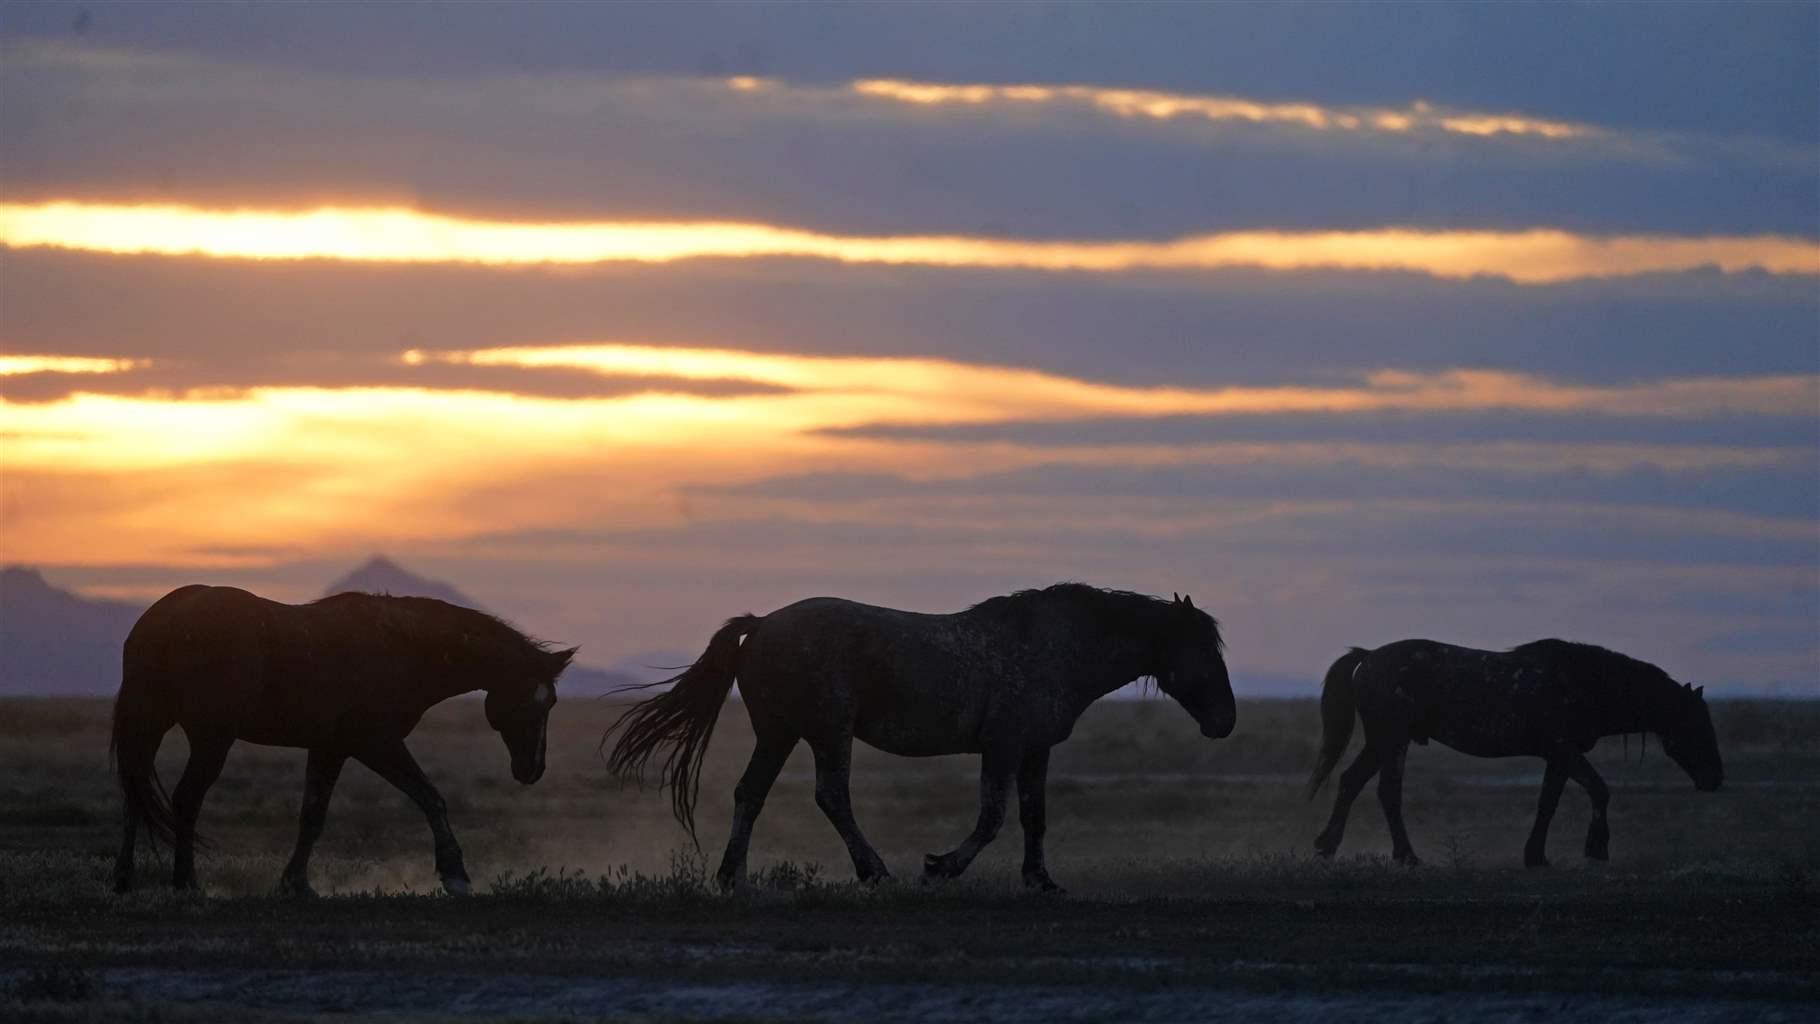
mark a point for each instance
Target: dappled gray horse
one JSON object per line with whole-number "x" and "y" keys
{"x": 1550, "y": 699}
{"x": 1005, "y": 679}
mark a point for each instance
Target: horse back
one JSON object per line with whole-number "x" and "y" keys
{"x": 1485, "y": 703}
{"x": 225, "y": 660}
{"x": 906, "y": 682}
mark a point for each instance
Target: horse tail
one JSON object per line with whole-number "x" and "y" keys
{"x": 682, "y": 719}
{"x": 132, "y": 751}
{"x": 1337, "y": 709}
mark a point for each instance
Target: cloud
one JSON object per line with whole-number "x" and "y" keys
{"x": 1535, "y": 256}
{"x": 1171, "y": 106}
{"x": 235, "y": 374}
{"x": 1723, "y": 68}
{"x": 924, "y": 391}
{"x": 20, "y": 365}
{"x": 1236, "y": 327}
{"x": 604, "y": 146}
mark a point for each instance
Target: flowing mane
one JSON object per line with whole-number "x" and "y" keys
{"x": 1126, "y": 609}
{"x": 433, "y": 625}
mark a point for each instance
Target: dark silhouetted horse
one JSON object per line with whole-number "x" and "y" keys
{"x": 346, "y": 676}
{"x": 1550, "y": 699}
{"x": 1005, "y": 679}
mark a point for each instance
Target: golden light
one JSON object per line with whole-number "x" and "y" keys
{"x": 393, "y": 234}
{"x": 11, "y": 366}
{"x": 1146, "y": 103}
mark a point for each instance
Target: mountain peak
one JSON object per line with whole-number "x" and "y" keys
{"x": 381, "y": 575}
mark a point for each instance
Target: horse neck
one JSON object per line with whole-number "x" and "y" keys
{"x": 1635, "y": 701}
{"x": 1117, "y": 655}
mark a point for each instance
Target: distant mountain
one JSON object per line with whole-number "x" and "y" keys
{"x": 54, "y": 642}
{"x": 57, "y": 643}
{"x": 381, "y": 575}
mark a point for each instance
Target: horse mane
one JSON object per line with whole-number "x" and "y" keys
{"x": 433, "y": 623}
{"x": 1124, "y": 608}
{"x": 1635, "y": 687}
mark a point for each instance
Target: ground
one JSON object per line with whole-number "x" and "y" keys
{"x": 1193, "y": 892}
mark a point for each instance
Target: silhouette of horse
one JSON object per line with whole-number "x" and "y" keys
{"x": 1550, "y": 699}
{"x": 346, "y": 676}
{"x": 1005, "y": 679}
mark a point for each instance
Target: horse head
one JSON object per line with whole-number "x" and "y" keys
{"x": 518, "y": 708}
{"x": 1192, "y": 669}
{"x": 1685, "y": 725}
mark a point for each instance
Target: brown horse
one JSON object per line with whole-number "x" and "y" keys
{"x": 346, "y": 676}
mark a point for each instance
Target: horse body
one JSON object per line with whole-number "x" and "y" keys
{"x": 1550, "y": 699}
{"x": 1005, "y": 679}
{"x": 920, "y": 685}
{"x": 347, "y": 676}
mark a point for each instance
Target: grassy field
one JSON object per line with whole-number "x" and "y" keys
{"x": 1192, "y": 888}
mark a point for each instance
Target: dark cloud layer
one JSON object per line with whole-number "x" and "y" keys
{"x": 234, "y": 372}
{"x": 1396, "y": 427}
{"x": 1790, "y": 491}
{"x": 1739, "y": 67}
{"x": 1159, "y": 329}
{"x": 110, "y": 126}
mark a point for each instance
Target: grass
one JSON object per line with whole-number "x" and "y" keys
{"x": 1187, "y": 862}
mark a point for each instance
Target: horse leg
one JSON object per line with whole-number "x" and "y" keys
{"x": 1390, "y": 796}
{"x": 394, "y": 763}
{"x": 768, "y": 758}
{"x": 995, "y": 779}
{"x": 1554, "y": 780}
{"x": 207, "y": 754}
{"x": 833, "y": 765}
{"x": 137, "y": 763}
{"x": 1598, "y": 834}
{"x": 1032, "y": 781}
{"x": 1352, "y": 783}
{"x": 319, "y": 777}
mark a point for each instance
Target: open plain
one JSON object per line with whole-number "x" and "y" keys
{"x": 1193, "y": 891}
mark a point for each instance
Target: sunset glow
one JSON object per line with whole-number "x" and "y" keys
{"x": 19, "y": 365}
{"x": 1144, "y": 103}
{"x": 408, "y": 236}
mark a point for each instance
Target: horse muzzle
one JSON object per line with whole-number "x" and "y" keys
{"x": 526, "y": 771}
{"x": 1218, "y": 728}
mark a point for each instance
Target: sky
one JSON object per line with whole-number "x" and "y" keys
{"x": 1477, "y": 322}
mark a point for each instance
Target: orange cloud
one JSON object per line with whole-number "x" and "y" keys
{"x": 392, "y": 234}
{"x": 11, "y": 366}
{"x": 109, "y": 478}
{"x": 1146, "y": 103}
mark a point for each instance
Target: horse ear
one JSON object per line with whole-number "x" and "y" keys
{"x": 1178, "y": 597}
{"x": 1188, "y": 602}
{"x": 1700, "y": 692}
{"x": 560, "y": 659}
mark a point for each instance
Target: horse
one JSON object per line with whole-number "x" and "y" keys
{"x": 1005, "y": 679}
{"x": 346, "y": 676}
{"x": 1551, "y": 699}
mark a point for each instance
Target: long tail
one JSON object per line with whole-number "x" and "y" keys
{"x": 132, "y": 751}
{"x": 681, "y": 719}
{"x": 1336, "y": 716}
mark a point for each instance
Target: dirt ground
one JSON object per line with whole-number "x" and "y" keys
{"x": 1193, "y": 894}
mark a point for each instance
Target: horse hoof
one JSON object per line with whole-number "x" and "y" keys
{"x": 1535, "y": 862}
{"x": 455, "y": 886}
{"x": 1043, "y": 884}
{"x": 296, "y": 889}
{"x": 1408, "y": 860}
